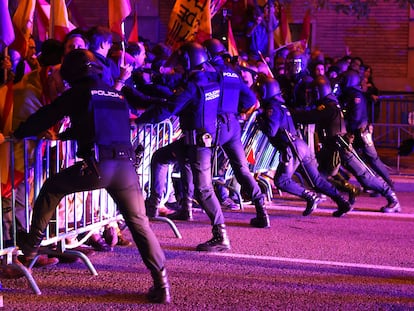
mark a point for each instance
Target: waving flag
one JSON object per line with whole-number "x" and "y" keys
{"x": 306, "y": 29}
{"x": 118, "y": 10}
{"x": 6, "y": 29}
{"x": 133, "y": 35}
{"x": 232, "y": 47}
{"x": 59, "y": 24}
{"x": 282, "y": 33}
{"x": 42, "y": 19}
{"x": 23, "y": 26}
{"x": 190, "y": 21}
{"x": 6, "y": 114}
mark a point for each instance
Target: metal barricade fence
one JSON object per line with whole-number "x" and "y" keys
{"x": 263, "y": 157}
{"x": 78, "y": 215}
{"x": 393, "y": 121}
{"x": 148, "y": 138}
{"x": 8, "y": 250}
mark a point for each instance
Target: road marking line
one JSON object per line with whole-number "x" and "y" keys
{"x": 316, "y": 262}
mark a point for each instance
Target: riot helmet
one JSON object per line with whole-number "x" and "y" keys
{"x": 321, "y": 87}
{"x": 190, "y": 55}
{"x": 266, "y": 88}
{"x": 79, "y": 64}
{"x": 214, "y": 48}
{"x": 295, "y": 63}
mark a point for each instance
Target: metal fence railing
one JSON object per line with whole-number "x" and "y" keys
{"x": 393, "y": 118}
{"x": 28, "y": 163}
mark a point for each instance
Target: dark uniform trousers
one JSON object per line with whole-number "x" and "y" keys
{"x": 288, "y": 165}
{"x": 199, "y": 159}
{"x": 119, "y": 178}
{"x": 230, "y": 141}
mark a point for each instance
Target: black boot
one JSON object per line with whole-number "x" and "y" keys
{"x": 160, "y": 292}
{"x": 29, "y": 243}
{"x": 393, "y": 205}
{"x": 219, "y": 242}
{"x": 262, "y": 218}
{"x": 151, "y": 206}
{"x": 343, "y": 206}
{"x": 343, "y": 185}
{"x": 185, "y": 212}
{"x": 312, "y": 200}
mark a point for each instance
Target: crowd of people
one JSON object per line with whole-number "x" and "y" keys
{"x": 211, "y": 94}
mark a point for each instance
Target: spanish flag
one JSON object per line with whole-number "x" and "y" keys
{"x": 59, "y": 24}
{"x": 23, "y": 26}
{"x": 118, "y": 10}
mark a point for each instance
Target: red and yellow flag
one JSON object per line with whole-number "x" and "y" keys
{"x": 23, "y": 26}
{"x": 133, "y": 35}
{"x": 190, "y": 21}
{"x": 59, "y": 24}
{"x": 6, "y": 118}
{"x": 231, "y": 42}
{"x": 118, "y": 10}
{"x": 42, "y": 19}
{"x": 282, "y": 33}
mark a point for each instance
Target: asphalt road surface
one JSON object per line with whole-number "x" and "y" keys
{"x": 363, "y": 261}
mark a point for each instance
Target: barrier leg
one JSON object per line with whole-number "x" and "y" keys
{"x": 170, "y": 223}
{"x": 9, "y": 260}
{"x": 263, "y": 181}
{"x": 19, "y": 266}
{"x": 63, "y": 252}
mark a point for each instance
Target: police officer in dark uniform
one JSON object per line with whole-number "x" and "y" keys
{"x": 336, "y": 142}
{"x": 100, "y": 124}
{"x": 196, "y": 103}
{"x": 294, "y": 83}
{"x": 354, "y": 104}
{"x": 236, "y": 97}
{"x": 276, "y": 123}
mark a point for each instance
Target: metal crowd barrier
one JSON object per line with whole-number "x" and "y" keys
{"x": 393, "y": 121}
{"x": 8, "y": 250}
{"x": 78, "y": 215}
{"x": 148, "y": 138}
{"x": 262, "y": 156}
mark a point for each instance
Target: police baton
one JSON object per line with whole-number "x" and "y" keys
{"x": 344, "y": 144}
{"x": 296, "y": 154}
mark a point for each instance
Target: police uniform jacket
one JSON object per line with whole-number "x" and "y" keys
{"x": 327, "y": 117}
{"x": 237, "y": 97}
{"x": 187, "y": 103}
{"x": 274, "y": 120}
{"x": 354, "y": 104}
{"x": 75, "y": 103}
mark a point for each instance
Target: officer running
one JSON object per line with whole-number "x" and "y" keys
{"x": 276, "y": 123}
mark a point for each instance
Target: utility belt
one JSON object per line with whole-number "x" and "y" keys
{"x": 122, "y": 152}
{"x": 100, "y": 153}
{"x": 192, "y": 138}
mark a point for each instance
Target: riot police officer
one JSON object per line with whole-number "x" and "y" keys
{"x": 196, "y": 103}
{"x": 354, "y": 104}
{"x": 100, "y": 124}
{"x": 296, "y": 80}
{"x": 236, "y": 97}
{"x": 337, "y": 143}
{"x": 277, "y": 124}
